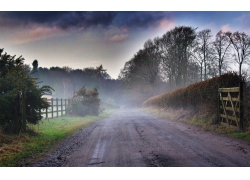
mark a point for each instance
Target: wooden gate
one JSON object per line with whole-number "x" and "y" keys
{"x": 231, "y": 107}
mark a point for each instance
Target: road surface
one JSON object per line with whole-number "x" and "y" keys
{"x": 132, "y": 138}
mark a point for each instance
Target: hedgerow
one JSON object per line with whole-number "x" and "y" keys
{"x": 201, "y": 94}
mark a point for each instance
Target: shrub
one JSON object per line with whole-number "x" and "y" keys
{"x": 85, "y": 102}
{"x": 13, "y": 80}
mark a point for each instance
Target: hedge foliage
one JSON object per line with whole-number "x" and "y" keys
{"x": 197, "y": 94}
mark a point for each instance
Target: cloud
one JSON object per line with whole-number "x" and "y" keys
{"x": 35, "y": 33}
{"x": 162, "y": 27}
{"x": 85, "y": 19}
{"x": 64, "y": 20}
{"x": 118, "y": 38}
{"x": 141, "y": 19}
{"x": 108, "y": 26}
{"x": 226, "y": 28}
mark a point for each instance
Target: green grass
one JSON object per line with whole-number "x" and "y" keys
{"x": 42, "y": 138}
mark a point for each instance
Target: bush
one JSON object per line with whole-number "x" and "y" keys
{"x": 85, "y": 102}
{"x": 13, "y": 80}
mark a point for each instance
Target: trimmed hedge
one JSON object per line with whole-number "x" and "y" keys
{"x": 204, "y": 93}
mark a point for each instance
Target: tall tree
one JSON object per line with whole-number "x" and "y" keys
{"x": 174, "y": 48}
{"x": 221, "y": 46}
{"x": 240, "y": 42}
{"x": 203, "y": 51}
{"x": 140, "y": 75}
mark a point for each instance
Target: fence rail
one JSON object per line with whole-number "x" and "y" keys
{"x": 58, "y": 107}
{"x": 231, "y": 106}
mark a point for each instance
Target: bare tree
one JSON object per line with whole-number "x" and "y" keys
{"x": 203, "y": 50}
{"x": 240, "y": 42}
{"x": 221, "y": 46}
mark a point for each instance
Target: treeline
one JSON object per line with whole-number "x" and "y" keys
{"x": 180, "y": 57}
{"x": 66, "y": 81}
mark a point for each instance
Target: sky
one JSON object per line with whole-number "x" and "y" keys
{"x": 80, "y": 38}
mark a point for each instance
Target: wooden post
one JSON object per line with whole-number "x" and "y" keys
{"x": 68, "y": 106}
{"x": 218, "y": 108}
{"x": 46, "y": 112}
{"x": 61, "y": 107}
{"x": 52, "y": 108}
{"x": 24, "y": 110}
{"x": 241, "y": 107}
{"x": 56, "y": 107}
{"x": 65, "y": 106}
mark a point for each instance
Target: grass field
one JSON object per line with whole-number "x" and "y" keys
{"x": 41, "y": 138}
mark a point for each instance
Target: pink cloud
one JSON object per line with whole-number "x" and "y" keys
{"x": 114, "y": 30}
{"x": 226, "y": 28}
{"x": 163, "y": 26}
{"x": 118, "y": 37}
{"x": 35, "y": 33}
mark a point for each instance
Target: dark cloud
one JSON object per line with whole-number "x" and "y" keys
{"x": 63, "y": 20}
{"x": 84, "y": 20}
{"x": 141, "y": 19}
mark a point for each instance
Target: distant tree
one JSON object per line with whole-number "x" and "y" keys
{"x": 35, "y": 65}
{"x": 140, "y": 75}
{"x": 240, "y": 43}
{"x": 202, "y": 51}
{"x": 221, "y": 46}
{"x": 67, "y": 69}
{"x": 67, "y": 87}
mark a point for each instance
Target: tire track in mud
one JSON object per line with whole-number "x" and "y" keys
{"x": 132, "y": 138}
{"x": 59, "y": 156}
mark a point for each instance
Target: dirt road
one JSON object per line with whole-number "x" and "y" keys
{"x": 133, "y": 138}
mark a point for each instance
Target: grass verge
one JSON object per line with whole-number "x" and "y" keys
{"x": 203, "y": 120}
{"x": 41, "y": 138}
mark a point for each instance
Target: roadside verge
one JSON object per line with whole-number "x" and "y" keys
{"x": 41, "y": 138}
{"x": 201, "y": 119}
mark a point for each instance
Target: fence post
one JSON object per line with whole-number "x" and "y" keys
{"x": 65, "y": 106}
{"x": 56, "y": 107}
{"x": 24, "y": 111}
{"x": 46, "y": 112}
{"x": 61, "y": 107}
{"x": 241, "y": 107}
{"x": 218, "y": 108}
{"x": 68, "y": 106}
{"x": 52, "y": 108}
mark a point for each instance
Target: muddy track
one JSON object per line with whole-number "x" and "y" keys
{"x": 131, "y": 138}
